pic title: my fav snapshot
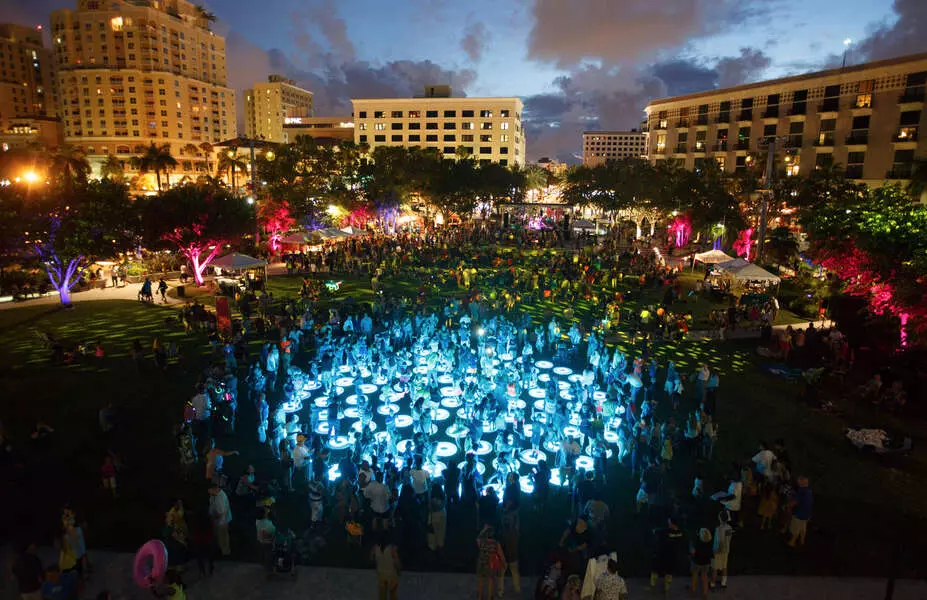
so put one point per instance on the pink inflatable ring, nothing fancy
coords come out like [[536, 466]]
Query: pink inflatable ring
[[150, 563]]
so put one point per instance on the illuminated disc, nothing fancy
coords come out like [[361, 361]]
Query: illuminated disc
[[445, 449], [566, 395], [352, 399], [574, 378], [585, 462], [322, 428], [537, 393], [483, 448], [387, 409], [381, 380], [403, 446], [372, 426], [526, 486], [321, 401], [513, 467], [311, 386], [544, 364], [436, 469], [619, 410], [520, 404], [352, 412], [507, 357], [421, 370], [611, 437], [598, 395], [543, 377], [339, 442], [531, 457], [551, 446], [563, 385], [344, 381], [292, 406], [457, 431], [461, 413], [538, 405], [381, 436], [562, 371], [510, 418], [450, 391], [344, 369], [364, 373], [445, 380], [480, 467], [555, 477], [571, 431], [368, 388], [403, 421], [441, 414], [334, 472], [451, 402]]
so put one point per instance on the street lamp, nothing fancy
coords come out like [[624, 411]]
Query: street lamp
[[30, 177]]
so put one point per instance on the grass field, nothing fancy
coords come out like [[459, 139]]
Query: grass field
[[864, 505]]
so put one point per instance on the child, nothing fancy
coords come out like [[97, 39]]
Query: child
[[108, 474], [769, 505]]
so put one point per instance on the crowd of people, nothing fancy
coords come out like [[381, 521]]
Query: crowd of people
[[383, 418]]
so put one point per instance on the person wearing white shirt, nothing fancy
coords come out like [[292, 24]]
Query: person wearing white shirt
[[764, 460], [378, 495], [301, 459], [735, 489], [420, 480], [220, 512]]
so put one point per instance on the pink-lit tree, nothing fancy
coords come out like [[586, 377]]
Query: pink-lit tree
[[275, 218], [743, 245], [198, 222], [680, 229]]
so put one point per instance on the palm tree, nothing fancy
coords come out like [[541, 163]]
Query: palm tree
[[70, 164], [156, 159], [112, 169], [781, 246], [205, 15], [231, 163]]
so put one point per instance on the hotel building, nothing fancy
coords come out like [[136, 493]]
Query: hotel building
[[270, 105], [602, 146], [325, 130], [136, 72], [28, 99], [864, 117], [488, 129]]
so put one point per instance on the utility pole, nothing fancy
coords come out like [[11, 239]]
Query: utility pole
[[764, 205]]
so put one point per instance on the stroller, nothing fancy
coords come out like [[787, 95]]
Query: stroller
[[282, 555]]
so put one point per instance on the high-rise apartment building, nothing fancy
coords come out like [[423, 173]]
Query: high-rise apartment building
[[272, 104], [28, 98], [488, 129], [600, 147], [865, 117], [133, 72]]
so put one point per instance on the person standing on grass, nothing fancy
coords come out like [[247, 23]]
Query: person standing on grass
[[801, 503], [220, 512], [723, 535], [386, 557]]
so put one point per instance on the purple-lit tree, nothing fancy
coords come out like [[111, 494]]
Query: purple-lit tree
[[198, 222], [69, 229]]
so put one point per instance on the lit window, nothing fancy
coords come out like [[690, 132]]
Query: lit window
[[380, 126], [504, 126]]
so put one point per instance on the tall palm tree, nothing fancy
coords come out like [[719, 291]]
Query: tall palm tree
[[69, 164], [203, 13], [112, 169], [230, 162], [156, 159]]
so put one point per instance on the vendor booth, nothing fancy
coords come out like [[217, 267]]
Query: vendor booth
[[236, 272]]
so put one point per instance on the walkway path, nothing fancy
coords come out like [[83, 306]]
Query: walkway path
[[127, 292], [245, 581]]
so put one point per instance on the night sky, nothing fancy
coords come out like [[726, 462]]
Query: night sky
[[577, 64]]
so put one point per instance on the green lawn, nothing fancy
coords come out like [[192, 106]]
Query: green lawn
[[863, 505]]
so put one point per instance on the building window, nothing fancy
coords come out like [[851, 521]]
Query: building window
[[486, 138], [769, 130], [396, 114], [415, 138], [415, 114], [396, 138], [504, 162], [431, 138], [378, 114], [466, 138], [486, 114], [485, 150], [864, 94], [467, 125], [504, 125], [362, 114], [504, 150], [379, 126], [431, 125], [362, 126], [450, 150], [466, 113], [504, 137], [415, 126], [363, 139], [450, 126], [450, 114], [395, 126], [379, 138], [431, 114], [450, 138], [485, 126]]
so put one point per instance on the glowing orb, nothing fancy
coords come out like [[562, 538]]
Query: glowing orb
[[311, 386], [352, 413], [451, 402], [538, 405], [527, 487], [367, 388], [381, 380], [562, 371], [450, 391], [544, 364], [457, 431], [461, 413], [357, 426], [531, 457], [620, 409], [344, 382], [585, 462], [543, 377], [441, 414], [555, 477], [574, 378], [483, 448], [388, 409], [403, 421], [519, 404], [344, 369], [563, 385], [480, 467], [598, 395], [445, 449], [445, 380], [571, 431], [611, 437], [575, 420], [321, 401], [339, 442]]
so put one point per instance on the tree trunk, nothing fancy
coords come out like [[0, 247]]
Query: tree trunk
[[158, 179]]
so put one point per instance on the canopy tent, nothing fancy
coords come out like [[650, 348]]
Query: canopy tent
[[712, 257], [583, 224], [238, 262], [353, 231], [751, 272], [736, 263], [300, 237], [330, 233]]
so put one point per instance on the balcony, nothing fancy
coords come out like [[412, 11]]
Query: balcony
[[798, 110], [719, 147], [660, 150], [744, 145], [913, 97], [745, 116], [794, 141], [699, 148], [858, 138], [682, 124], [854, 172], [680, 149], [723, 118], [771, 112], [900, 171], [830, 105], [825, 141], [702, 120], [905, 134]]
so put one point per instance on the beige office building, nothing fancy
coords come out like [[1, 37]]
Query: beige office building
[[600, 147], [865, 117], [488, 129], [28, 98], [324, 130], [133, 72], [272, 104]]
